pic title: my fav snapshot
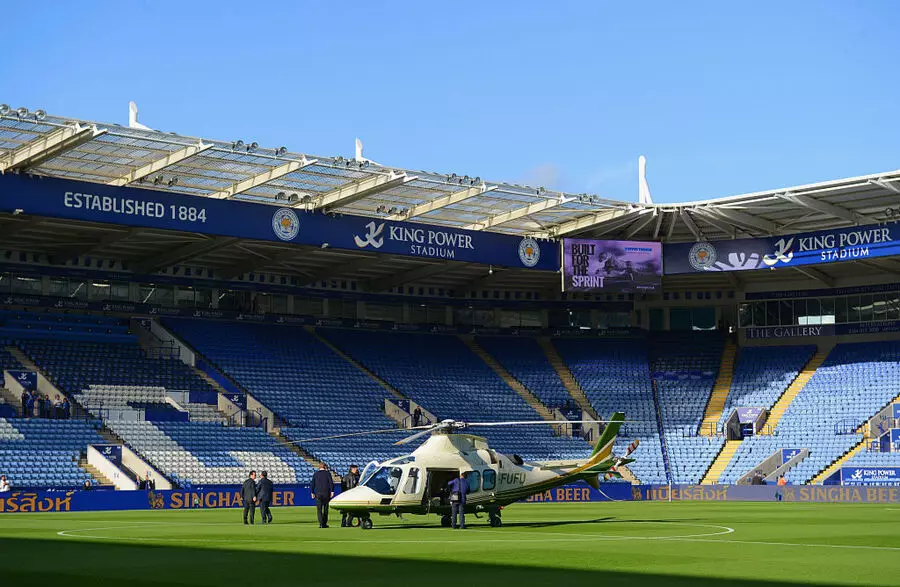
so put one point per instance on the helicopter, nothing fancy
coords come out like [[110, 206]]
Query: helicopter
[[415, 483]]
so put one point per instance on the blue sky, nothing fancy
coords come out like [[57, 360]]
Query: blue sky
[[723, 98]]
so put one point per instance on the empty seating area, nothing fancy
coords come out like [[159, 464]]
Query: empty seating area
[[292, 373], [684, 366], [762, 374], [210, 453], [64, 326], [45, 453], [441, 373], [615, 376], [855, 382], [75, 366], [525, 360]]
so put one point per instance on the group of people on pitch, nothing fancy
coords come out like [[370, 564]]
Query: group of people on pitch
[[257, 492]]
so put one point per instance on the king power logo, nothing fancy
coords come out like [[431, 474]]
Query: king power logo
[[423, 242]]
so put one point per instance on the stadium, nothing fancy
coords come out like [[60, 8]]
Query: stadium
[[176, 311]]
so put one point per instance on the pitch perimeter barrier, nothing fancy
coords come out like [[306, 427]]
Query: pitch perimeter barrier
[[215, 497]]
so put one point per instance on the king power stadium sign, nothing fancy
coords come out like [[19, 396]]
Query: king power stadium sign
[[61, 198], [809, 248]]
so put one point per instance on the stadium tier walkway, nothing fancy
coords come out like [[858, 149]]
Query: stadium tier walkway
[[716, 404], [778, 410], [719, 465], [570, 382]]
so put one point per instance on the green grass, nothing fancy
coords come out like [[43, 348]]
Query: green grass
[[555, 544]]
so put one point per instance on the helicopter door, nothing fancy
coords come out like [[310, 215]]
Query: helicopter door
[[436, 495]]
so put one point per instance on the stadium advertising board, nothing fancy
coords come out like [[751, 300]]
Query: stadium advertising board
[[112, 452], [870, 476], [788, 453], [27, 379], [176, 499], [611, 266], [61, 198], [811, 248], [896, 410], [749, 415]]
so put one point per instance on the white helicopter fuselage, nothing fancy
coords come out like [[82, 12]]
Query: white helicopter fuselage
[[417, 483]]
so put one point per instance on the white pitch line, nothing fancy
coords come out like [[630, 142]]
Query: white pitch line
[[541, 538], [800, 544]]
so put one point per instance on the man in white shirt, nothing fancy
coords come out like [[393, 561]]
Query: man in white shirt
[[4, 484]]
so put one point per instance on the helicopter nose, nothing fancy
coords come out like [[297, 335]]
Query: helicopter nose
[[358, 496]]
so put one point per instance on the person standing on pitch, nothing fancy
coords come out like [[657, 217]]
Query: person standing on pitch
[[248, 494], [322, 489], [459, 487], [348, 482], [264, 495]]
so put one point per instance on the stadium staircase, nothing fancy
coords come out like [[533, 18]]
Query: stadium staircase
[[722, 459], [793, 389], [354, 362], [719, 394], [297, 450], [25, 361], [10, 398], [559, 365], [99, 478], [511, 381], [830, 469]]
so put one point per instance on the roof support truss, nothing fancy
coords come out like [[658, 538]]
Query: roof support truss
[[258, 261], [601, 220], [886, 184], [639, 224], [183, 253], [689, 222], [443, 202], [729, 229], [405, 276], [816, 274], [49, 146], [264, 177], [351, 266], [746, 220], [160, 164], [528, 210], [829, 209], [357, 190]]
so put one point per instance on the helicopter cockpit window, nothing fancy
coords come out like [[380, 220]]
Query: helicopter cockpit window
[[490, 479], [385, 480], [412, 481], [474, 480]]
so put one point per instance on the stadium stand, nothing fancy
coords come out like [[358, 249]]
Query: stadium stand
[[315, 392], [762, 374], [441, 373], [684, 367], [45, 453], [524, 359], [123, 368], [854, 382], [210, 453], [614, 375]]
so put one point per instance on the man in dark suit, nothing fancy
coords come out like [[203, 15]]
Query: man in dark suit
[[322, 489], [348, 482], [264, 496], [458, 487], [248, 494]]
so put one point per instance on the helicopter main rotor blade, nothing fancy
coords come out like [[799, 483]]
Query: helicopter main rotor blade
[[538, 422], [366, 433], [420, 434]]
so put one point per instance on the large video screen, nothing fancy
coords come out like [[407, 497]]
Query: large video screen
[[611, 266]]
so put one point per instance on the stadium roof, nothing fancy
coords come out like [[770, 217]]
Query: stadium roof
[[42, 144]]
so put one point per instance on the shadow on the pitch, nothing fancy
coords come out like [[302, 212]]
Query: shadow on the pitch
[[482, 522], [98, 564]]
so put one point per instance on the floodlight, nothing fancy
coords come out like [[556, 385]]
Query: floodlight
[[280, 151], [4, 109], [252, 147], [172, 181], [294, 198], [281, 196], [22, 112], [157, 180], [305, 199], [237, 145], [40, 115]]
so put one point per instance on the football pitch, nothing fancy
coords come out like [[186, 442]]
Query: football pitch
[[626, 543]]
